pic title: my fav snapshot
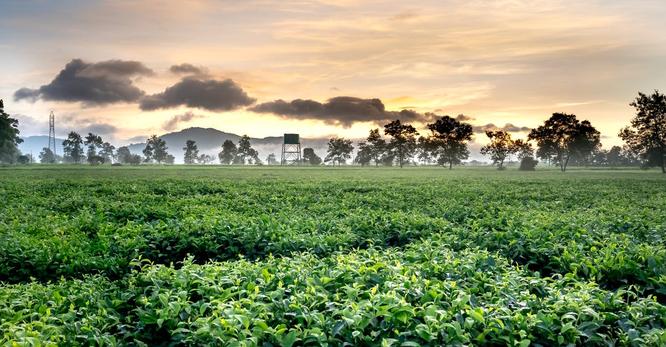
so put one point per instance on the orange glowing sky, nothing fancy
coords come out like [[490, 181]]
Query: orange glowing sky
[[507, 61]]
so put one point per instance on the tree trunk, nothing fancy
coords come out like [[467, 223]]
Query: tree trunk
[[451, 165]]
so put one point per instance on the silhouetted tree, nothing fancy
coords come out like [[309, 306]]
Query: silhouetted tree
[[169, 159], [228, 152], [377, 146], [339, 150], [156, 149], [46, 156], [24, 159], [93, 142], [523, 149], [310, 157], [9, 137], [424, 150], [403, 140], [500, 148], [123, 154], [108, 152], [646, 136], [191, 152], [449, 139], [73, 148], [563, 136], [246, 153], [364, 154]]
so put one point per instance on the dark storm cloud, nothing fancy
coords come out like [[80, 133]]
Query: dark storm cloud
[[91, 83], [508, 127], [187, 69], [173, 122], [341, 110], [207, 94]]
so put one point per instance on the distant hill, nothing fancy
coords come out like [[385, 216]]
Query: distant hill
[[208, 140], [34, 145]]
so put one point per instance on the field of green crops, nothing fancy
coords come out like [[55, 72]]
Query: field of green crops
[[331, 256]]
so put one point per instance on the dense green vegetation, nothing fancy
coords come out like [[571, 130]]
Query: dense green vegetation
[[289, 256]]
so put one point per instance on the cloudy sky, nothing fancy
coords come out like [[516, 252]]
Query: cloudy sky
[[126, 68]]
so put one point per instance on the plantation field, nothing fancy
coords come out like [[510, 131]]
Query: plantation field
[[261, 256]]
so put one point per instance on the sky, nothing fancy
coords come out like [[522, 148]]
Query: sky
[[128, 69]]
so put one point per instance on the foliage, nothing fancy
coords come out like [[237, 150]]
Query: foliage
[[245, 153], [46, 156], [73, 148], [228, 152], [191, 152], [310, 157], [562, 137], [403, 140], [308, 256], [9, 137], [339, 150], [156, 150], [528, 164], [449, 139], [647, 133], [500, 148]]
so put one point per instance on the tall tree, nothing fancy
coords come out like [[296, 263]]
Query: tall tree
[[339, 150], [46, 156], [124, 155], [403, 140], [191, 152], [424, 149], [228, 152], [310, 157], [9, 137], [108, 152], [562, 136], [376, 146], [364, 154], [646, 135], [73, 148], [449, 139], [500, 148], [156, 149], [93, 142], [245, 152]]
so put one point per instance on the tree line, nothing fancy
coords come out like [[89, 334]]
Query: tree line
[[561, 140]]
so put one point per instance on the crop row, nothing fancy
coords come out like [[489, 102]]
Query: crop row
[[425, 294]]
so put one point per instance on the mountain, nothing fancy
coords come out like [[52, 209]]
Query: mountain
[[210, 142], [34, 145]]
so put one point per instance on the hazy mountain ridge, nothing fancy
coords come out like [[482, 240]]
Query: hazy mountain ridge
[[209, 141]]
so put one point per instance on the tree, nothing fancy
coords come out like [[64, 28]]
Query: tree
[[107, 152], [339, 150], [123, 154], [206, 159], [271, 160], [73, 148], [9, 137], [523, 149], [191, 152], [528, 164], [46, 156], [424, 149], [364, 154], [93, 142], [169, 159], [228, 152], [246, 152], [562, 137], [24, 159], [500, 148], [646, 136], [376, 146], [449, 139], [403, 140], [310, 157], [156, 150]]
